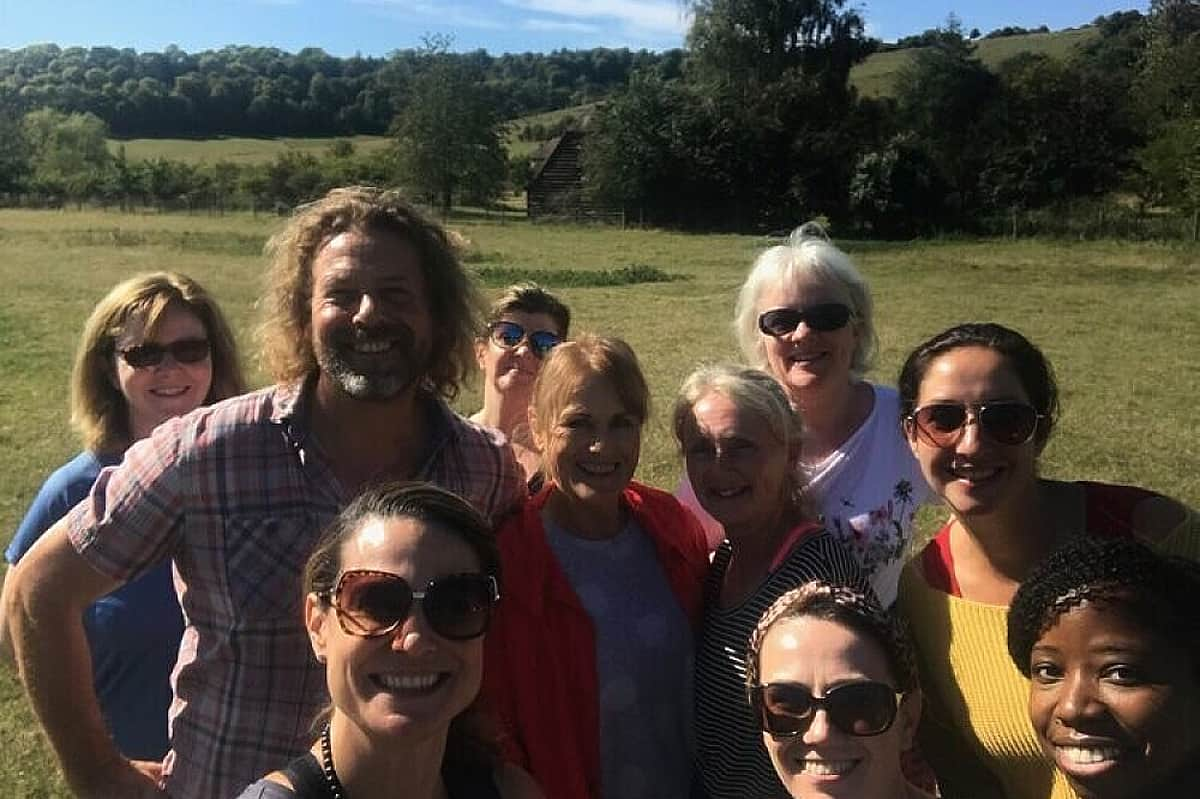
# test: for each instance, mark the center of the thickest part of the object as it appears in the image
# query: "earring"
(320, 658)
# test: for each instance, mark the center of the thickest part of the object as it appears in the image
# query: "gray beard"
(366, 387)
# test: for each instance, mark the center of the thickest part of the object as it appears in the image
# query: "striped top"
(733, 763)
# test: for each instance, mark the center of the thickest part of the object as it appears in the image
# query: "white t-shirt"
(867, 493)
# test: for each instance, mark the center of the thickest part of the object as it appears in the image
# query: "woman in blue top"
(157, 346)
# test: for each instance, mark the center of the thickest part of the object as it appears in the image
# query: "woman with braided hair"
(1107, 633)
(832, 680)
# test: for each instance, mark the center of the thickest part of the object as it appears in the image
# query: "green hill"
(876, 77)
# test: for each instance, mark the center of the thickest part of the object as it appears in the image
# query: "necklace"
(331, 778)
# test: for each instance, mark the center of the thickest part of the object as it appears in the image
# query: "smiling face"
(371, 326)
(975, 476)
(740, 471)
(170, 388)
(411, 681)
(824, 761)
(591, 447)
(807, 359)
(511, 372)
(1116, 707)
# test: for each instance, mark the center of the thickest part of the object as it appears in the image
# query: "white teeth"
(826, 768)
(727, 492)
(408, 682)
(973, 472)
(1088, 755)
(372, 346)
(169, 392)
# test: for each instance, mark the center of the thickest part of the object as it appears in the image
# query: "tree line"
(263, 91)
(762, 128)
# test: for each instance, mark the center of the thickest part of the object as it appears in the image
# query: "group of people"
(338, 587)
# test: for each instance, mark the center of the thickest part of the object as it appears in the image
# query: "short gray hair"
(808, 254)
(750, 390)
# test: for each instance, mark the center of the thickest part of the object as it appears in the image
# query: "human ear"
(908, 716)
(315, 614)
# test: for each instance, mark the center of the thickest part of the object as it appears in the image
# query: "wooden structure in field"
(556, 189)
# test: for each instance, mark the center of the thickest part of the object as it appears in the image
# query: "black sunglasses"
(509, 335)
(371, 604)
(862, 709)
(1007, 423)
(185, 350)
(826, 316)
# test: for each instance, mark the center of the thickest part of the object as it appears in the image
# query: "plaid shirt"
(237, 494)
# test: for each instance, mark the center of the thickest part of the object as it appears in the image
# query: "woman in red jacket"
(589, 659)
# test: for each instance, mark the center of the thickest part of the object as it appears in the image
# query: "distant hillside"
(876, 77)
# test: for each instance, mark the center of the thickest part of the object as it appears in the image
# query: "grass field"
(232, 148)
(1119, 321)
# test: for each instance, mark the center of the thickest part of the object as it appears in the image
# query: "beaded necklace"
(336, 791)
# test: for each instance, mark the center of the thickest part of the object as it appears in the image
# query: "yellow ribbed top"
(976, 732)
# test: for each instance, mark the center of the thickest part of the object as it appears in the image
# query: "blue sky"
(376, 27)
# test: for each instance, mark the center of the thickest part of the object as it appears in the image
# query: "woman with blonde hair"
(523, 325)
(157, 346)
(589, 658)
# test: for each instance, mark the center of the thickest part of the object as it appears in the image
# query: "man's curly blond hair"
(285, 334)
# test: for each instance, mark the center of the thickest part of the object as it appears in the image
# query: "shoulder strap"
(794, 537)
(307, 780)
(470, 783)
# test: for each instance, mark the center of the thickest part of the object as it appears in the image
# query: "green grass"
(876, 76)
(1118, 320)
(233, 149)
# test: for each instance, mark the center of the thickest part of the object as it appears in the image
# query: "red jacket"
(540, 663)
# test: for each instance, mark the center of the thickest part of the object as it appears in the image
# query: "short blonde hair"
(285, 336)
(99, 412)
(569, 364)
(756, 392)
(808, 255)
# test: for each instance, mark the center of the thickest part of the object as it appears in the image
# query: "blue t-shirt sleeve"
(62, 491)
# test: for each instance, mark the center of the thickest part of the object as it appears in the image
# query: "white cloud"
(643, 18)
(554, 26)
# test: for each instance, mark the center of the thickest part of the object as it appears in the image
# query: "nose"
(802, 329)
(968, 440)
(367, 308)
(819, 729)
(413, 636)
(1077, 700)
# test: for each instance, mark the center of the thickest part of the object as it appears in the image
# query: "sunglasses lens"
(507, 334)
(373, 603)
(785, 709)
(780, 321)
(459, 607)
(1008, 423)
(941, 423)
(827, 316)
(143, 355)
(543, 341)
(866, 708)
(189, 350)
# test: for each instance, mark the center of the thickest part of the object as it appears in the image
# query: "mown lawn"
(1118, 319)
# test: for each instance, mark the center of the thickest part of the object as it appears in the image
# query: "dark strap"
(476, 782)
(306, 777)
